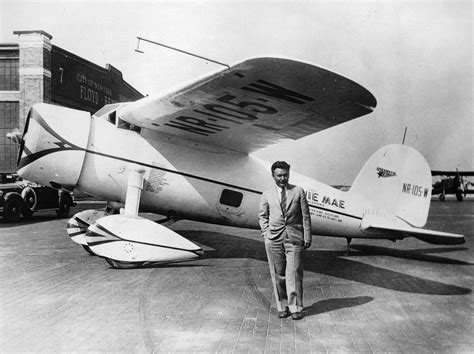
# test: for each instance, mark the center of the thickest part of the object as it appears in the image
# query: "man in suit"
(286, 227)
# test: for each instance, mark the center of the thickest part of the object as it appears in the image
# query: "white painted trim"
(39, 71)
(9, 96)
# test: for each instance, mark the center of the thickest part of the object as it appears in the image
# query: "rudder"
(397, 180)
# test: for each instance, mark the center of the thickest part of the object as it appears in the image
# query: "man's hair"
(280, 164)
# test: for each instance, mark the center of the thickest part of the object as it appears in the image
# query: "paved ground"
(408, 296)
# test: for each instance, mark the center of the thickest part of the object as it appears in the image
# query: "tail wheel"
(12, 210)
(123, 265)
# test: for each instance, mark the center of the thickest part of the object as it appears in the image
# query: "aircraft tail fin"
(397, 180)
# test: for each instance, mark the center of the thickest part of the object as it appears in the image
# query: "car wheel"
(63, 211)
(12, 210)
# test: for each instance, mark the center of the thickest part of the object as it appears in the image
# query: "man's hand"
(307, 244)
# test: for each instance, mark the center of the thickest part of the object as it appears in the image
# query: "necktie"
(283, 201)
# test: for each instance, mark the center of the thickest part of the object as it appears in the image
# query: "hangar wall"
(34, 70)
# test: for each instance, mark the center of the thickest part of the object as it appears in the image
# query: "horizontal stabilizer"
(440, 238)
(430, 236)
(400, 229)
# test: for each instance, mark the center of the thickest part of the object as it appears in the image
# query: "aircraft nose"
(54, 145)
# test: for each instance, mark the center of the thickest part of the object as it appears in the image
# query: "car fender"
(11, 195)
(24, 196)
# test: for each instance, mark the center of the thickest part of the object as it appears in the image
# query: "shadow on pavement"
(43, 216)
(328, 305)
(417, 254)
(331, 263)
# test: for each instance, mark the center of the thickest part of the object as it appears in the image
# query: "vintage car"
(19, 197)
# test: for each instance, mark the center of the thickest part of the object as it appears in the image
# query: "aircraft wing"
(451, 173)
(253, 104)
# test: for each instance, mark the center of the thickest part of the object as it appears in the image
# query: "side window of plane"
(135, 128)
(112, 117)
(123, 124)
(231, 198)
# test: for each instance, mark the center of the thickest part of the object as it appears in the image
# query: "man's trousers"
(286, 268)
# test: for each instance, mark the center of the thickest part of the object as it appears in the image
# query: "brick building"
(34, 70)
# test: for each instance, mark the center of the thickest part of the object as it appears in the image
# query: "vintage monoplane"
(188, 154)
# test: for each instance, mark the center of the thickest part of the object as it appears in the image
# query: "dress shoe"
(297, 315)
(284, 314)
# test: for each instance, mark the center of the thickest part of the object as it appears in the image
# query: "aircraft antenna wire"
(178, 50)
(404, 134)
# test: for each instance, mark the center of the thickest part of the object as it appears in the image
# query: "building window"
(9, 74)
(9, 119)
(231, 198)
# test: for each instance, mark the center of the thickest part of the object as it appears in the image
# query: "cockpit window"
(123, 124)
(109, 113)
(112, 117)
(107, 109)
(135, 128)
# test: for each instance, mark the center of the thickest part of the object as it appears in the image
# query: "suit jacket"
(297, 222)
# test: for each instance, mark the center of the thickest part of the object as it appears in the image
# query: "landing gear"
(123, 265)
(127, 241)
(459, 196)
(348, 246)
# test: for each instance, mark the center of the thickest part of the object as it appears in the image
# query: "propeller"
(16, 136)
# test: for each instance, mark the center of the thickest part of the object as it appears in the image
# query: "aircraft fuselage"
(200, 182)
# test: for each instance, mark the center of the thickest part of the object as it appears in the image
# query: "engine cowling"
(54, 145)
(135, 240)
